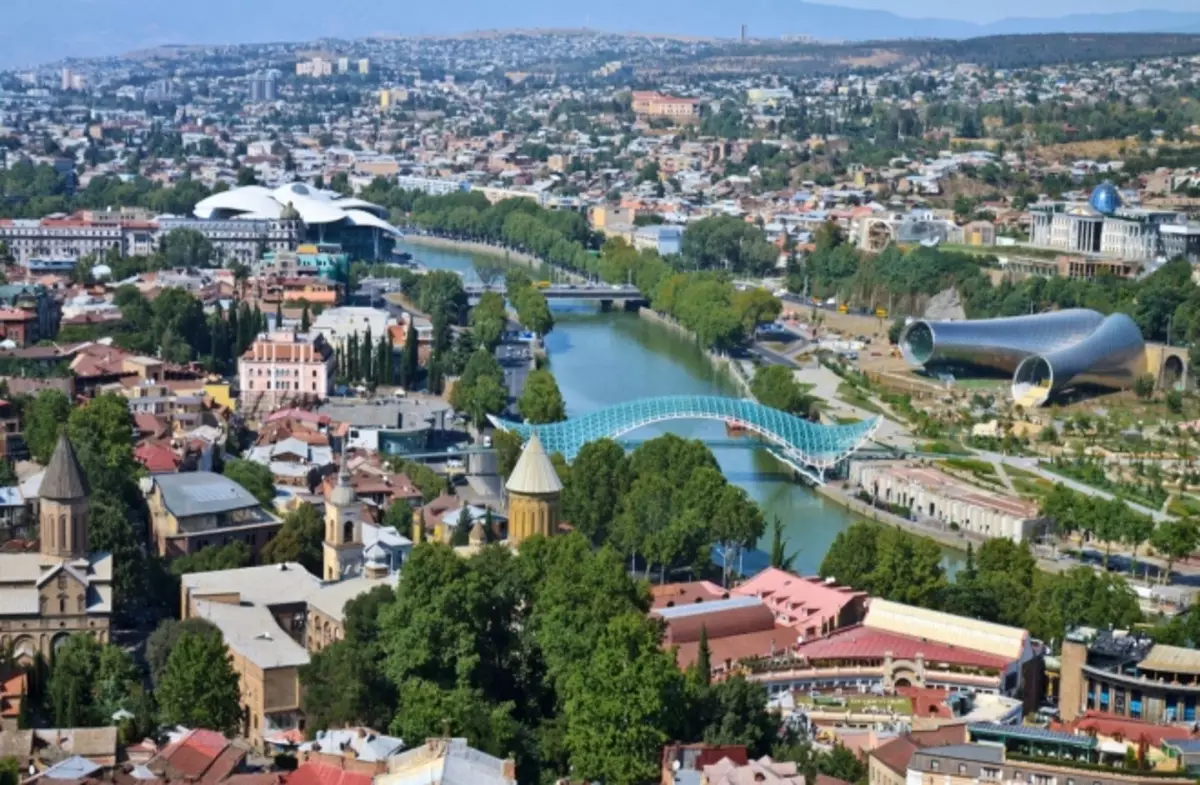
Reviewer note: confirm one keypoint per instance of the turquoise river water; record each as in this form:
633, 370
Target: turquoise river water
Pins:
600, 359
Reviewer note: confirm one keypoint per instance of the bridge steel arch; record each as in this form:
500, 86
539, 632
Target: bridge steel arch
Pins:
809, 448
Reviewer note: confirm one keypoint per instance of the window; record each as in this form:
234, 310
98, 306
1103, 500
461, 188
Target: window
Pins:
79, 603
934, 765
1041, 779
962, 768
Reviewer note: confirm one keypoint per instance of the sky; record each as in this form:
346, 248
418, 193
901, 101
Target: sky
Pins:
983, 12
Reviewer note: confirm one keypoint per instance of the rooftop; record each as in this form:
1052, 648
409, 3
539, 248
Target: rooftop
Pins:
201, 493
534, 473
945, 628
253, 632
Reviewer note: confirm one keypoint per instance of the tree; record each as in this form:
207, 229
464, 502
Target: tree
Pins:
408, 365
116, 683
1143, 386
1174, 401
908, 570
187, 248
703, 658
199, 688
69, 691
343, 686
160, 642
1136, 529
102, 433
10, 767
600, 477
110, 530
298, 540
480, 389
780, 558
213, 558
44, 418
254, 477
541, 401
775, 386
739, 716
852, 556
1175, 539
508, 450
619, 705
489, 319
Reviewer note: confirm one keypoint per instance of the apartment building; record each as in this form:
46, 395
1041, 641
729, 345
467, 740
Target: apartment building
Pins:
282, 366
191, 511
648, 103
434, 186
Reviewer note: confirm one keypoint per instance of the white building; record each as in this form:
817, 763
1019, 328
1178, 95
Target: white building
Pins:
338, 324
931, 494
434, 186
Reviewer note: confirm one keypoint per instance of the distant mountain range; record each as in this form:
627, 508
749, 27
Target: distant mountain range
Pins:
40, 31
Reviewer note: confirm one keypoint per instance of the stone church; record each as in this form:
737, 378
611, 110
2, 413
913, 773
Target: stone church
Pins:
63, 588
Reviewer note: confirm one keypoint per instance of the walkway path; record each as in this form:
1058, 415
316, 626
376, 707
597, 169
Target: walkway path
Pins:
1032, 465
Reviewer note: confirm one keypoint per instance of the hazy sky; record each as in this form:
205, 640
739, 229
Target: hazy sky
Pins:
976, 11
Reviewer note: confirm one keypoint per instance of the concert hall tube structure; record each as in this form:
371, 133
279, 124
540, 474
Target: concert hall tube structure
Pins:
1046, 353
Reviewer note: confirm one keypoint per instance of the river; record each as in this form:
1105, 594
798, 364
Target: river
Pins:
601, 359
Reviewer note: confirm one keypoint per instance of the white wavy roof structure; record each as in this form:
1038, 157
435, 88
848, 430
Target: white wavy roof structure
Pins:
314, 205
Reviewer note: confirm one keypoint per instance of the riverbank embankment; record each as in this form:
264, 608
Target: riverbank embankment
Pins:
509, 255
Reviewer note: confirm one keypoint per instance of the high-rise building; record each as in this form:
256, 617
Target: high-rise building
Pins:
264, 87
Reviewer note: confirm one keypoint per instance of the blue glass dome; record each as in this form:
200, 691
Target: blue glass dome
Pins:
1105, 199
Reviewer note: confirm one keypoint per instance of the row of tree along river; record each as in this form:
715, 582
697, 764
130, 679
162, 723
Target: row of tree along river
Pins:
602, 359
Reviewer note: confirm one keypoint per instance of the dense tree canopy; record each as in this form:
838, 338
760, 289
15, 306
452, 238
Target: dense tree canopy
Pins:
541, 401
198, 687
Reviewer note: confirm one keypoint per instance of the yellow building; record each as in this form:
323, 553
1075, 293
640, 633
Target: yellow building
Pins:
533, 493
221, 394
343, 546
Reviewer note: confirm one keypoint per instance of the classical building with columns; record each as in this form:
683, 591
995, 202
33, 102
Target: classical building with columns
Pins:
62, 588
533, 491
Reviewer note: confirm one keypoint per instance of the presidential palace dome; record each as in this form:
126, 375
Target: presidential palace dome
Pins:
1105, 199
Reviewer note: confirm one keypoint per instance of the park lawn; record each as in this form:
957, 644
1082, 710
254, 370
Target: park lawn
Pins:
1184, 506
976, 467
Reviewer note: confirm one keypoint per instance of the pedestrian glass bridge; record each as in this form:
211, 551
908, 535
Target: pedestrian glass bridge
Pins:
809, 448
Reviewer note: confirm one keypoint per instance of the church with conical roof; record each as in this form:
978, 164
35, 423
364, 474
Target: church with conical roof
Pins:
63, 588
533, 494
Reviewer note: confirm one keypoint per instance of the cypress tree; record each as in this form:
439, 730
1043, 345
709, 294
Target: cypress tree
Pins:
389, 357
279, 315
305, 318
234, 330
704, 657
366, 350
408, 366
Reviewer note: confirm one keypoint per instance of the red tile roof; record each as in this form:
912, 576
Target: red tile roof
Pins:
1128, 729
321, 774
863, 643
671, 594
156, 458
203, 755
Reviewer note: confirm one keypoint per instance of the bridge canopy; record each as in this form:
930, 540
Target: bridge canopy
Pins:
808, 447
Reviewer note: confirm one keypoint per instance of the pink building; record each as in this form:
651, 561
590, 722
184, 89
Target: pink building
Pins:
810, 605
281, 368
